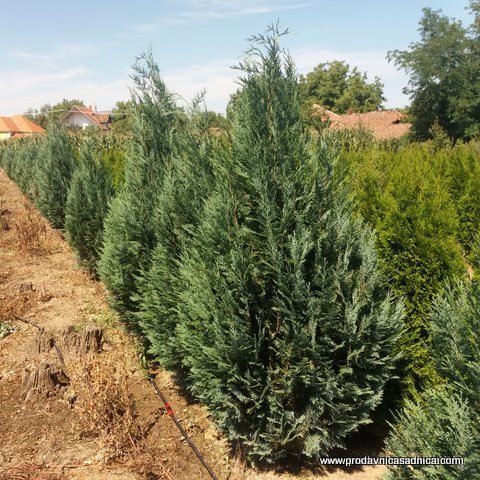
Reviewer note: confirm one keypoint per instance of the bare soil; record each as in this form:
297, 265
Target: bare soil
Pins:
108, 423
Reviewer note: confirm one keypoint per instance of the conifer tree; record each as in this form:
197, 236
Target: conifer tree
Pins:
129, 234
87, 204
445, 422
55, 169
283, 325
417, 226
456, 340
187, 181
440, 425
24, 170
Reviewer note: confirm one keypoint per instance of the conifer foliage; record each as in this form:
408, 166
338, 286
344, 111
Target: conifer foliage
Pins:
440, 425
55, 169
446, 421
186, 183
282, 324
87, 204
129, 235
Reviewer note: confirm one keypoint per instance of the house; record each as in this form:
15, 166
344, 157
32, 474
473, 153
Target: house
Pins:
83, 117
18, 126
384, 124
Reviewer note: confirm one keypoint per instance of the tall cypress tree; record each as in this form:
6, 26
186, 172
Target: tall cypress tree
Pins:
283, 325
187, 182
87, 205
55, 169
129, 233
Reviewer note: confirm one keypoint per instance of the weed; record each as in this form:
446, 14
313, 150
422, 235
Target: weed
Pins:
105, 318
6, 329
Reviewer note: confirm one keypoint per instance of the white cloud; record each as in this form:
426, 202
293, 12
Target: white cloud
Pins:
215, 10
23, 89
53, 58
216, 76
219, 79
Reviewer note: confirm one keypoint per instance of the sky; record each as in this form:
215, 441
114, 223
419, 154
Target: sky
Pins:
59, 49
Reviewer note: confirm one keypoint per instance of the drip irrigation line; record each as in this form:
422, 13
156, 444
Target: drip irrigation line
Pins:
171, 414
159, 393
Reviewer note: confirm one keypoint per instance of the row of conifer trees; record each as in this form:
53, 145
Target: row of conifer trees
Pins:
241, 262
242, 266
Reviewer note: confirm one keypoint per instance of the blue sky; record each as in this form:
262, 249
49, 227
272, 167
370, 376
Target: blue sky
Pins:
58, 49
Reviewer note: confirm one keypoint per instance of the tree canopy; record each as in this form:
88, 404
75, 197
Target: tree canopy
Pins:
50, 115
122, 115
444, 70
334, 85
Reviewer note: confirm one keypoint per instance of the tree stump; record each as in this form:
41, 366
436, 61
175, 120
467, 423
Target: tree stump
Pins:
25, 287
91, 340
70, 340
42, 343
43, 382
88, 341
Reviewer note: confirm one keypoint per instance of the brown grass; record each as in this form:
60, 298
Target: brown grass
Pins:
29, 472
106, 407
14, 302
31, 235
151, 466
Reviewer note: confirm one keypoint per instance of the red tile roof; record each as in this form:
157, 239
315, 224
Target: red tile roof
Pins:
19, 125
383, 123
99, 119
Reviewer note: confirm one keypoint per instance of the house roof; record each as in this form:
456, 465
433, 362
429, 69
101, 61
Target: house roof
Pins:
383, 123
99, 119
19, 125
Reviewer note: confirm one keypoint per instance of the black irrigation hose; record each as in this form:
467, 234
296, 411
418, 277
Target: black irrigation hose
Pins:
180, 427
157, 391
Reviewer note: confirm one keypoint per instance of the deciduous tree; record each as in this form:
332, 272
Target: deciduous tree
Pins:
444, 71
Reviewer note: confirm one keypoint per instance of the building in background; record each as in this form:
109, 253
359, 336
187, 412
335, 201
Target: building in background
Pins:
18, 126
83, 117
384, 124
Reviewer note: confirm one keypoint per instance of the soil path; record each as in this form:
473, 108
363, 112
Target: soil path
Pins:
63, 436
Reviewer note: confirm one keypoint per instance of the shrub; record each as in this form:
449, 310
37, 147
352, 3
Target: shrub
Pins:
456, 340
129, 236
440, 425
56, 164
87, 205
405, 197
443, 423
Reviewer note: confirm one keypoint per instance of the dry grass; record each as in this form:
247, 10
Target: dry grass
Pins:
14, 302
151, 466
106, 407
237, 470
29, 472
31, 234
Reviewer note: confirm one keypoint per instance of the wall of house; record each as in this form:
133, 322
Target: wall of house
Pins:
4, 135
77, 119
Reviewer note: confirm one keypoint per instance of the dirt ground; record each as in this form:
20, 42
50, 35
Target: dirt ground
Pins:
106, 423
